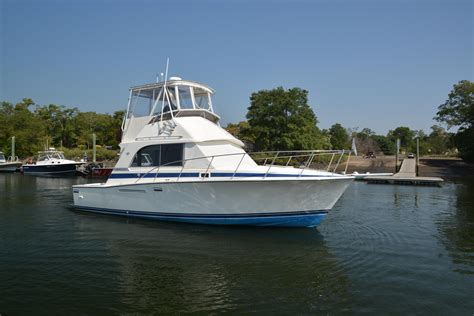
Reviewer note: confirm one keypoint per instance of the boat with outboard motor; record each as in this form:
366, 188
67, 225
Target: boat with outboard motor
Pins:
9, 165
52, 163
177, 164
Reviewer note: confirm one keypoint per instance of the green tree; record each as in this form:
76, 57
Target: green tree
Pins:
281, 119
59, 122
439, 140
21, 122
465, 144
458, 110
365, 141
386, 145
34, 126
116, 127
339, 137
405, 134
241, 131
365, 133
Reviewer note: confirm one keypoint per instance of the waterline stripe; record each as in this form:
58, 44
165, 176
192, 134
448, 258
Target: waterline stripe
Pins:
254, 215
299, 219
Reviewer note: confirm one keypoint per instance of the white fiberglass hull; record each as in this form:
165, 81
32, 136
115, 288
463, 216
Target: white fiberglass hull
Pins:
270, 202
9, 166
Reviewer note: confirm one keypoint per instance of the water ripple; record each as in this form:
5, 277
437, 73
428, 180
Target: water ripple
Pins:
380, 245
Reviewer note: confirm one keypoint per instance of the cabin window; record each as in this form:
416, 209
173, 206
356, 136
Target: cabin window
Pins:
202, 99
167, 102
185, 99
141, 103
170, 101
159, 155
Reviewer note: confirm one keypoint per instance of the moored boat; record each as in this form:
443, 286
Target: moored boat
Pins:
9, 165
52, 163
178, 164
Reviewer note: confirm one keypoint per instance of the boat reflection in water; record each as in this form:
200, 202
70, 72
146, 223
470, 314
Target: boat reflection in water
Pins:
177, 268
457, 227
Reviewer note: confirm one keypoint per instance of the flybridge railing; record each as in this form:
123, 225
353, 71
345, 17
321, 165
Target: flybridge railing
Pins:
302, 159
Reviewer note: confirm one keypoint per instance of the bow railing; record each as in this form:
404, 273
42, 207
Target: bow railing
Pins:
13, 159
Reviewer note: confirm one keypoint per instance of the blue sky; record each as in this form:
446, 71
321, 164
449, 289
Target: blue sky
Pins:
378, 64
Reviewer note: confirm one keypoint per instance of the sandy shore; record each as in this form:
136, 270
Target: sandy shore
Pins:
446, 168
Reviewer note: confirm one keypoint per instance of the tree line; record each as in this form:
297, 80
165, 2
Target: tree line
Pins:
282, 119
35, 127
277, 119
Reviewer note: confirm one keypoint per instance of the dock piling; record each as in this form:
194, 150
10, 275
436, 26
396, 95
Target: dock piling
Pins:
93, 147
13, 147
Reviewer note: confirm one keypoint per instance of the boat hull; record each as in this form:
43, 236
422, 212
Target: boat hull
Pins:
9, 166
58, 170
291, 219
292, 203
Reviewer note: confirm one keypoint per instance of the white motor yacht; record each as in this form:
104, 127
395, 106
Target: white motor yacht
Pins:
52, 163
178, 164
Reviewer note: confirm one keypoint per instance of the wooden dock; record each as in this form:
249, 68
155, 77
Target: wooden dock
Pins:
405, 176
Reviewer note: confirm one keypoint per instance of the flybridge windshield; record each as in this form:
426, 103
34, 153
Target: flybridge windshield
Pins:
176, 96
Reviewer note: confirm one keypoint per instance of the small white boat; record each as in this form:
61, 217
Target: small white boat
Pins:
9, 165
177, 164
51, 162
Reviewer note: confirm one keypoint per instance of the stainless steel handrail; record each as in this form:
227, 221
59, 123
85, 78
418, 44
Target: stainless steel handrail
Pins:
273, 161
13, 159
237, 168
308, 153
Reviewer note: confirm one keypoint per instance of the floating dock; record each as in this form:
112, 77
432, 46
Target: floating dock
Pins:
405, 176
362, 176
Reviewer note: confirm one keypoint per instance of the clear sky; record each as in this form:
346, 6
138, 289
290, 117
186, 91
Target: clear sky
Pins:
378, 64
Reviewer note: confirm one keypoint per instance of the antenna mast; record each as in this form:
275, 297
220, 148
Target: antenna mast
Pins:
165, 92
167, 65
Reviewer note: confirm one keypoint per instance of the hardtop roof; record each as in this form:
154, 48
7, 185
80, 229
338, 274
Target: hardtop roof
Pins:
172, 83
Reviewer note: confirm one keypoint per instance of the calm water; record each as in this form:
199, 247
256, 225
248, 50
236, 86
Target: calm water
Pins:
383, 249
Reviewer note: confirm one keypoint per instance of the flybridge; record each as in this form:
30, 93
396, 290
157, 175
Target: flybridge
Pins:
172, 98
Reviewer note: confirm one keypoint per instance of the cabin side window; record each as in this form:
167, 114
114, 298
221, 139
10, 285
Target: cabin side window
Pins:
185, 99
159, 155
202, 99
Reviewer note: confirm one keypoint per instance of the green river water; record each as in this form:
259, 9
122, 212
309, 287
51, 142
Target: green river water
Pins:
382, 250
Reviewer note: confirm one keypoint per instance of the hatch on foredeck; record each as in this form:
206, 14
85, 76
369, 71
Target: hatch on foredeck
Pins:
173, 98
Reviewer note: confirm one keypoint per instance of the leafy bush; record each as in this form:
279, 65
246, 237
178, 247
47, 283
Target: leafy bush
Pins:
101, 154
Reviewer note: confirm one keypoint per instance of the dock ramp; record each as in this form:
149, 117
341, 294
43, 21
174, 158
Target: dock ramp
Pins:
406, 175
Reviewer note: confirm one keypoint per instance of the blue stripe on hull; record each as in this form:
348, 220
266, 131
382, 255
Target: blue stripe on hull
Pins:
136, 175
297, 219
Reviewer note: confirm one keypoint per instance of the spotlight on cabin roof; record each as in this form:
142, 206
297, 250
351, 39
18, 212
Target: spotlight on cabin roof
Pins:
175, 78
